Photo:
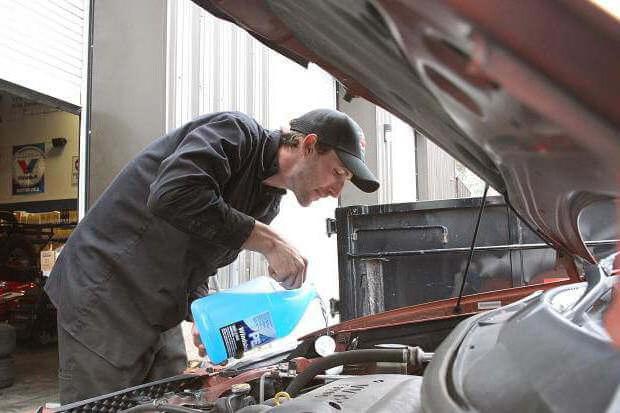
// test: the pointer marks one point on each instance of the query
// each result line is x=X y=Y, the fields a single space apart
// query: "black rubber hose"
x=346 y=357
x=165 y=408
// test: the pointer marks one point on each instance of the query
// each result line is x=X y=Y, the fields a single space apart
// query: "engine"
x=357 y=380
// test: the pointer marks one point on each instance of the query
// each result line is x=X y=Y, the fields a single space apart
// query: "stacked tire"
x=7 y=364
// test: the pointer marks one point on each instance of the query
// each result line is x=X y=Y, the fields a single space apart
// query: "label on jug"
x=248 y=333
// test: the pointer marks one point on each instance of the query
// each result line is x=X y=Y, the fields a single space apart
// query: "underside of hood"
x=523 y=93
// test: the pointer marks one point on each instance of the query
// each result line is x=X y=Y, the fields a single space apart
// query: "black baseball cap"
x=340 y=132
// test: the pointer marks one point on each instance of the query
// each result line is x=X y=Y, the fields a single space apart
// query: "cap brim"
x=362 y=177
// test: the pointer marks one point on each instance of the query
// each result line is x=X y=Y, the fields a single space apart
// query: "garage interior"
x=38 y=198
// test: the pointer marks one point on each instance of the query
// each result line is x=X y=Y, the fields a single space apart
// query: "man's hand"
x=286 y=265
x=197 y=342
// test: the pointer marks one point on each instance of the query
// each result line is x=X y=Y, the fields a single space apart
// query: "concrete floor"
x=36 y=380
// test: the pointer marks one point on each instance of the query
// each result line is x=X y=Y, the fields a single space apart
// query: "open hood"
x=525 y=93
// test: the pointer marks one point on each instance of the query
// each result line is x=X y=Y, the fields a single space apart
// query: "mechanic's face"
x=317 y=175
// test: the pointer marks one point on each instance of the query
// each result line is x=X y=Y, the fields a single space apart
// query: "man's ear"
x=307 y=144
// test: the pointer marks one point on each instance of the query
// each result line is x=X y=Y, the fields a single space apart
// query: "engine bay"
x=355 y=380
x=472 y=359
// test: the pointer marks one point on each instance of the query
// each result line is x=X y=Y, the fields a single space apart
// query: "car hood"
x=522 y=93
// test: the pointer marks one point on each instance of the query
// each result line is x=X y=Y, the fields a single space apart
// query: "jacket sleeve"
x=199 y=292
x=187 y=191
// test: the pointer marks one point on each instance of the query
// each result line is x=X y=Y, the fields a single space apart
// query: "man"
x=180 y=210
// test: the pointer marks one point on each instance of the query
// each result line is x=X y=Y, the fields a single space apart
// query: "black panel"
x=397 y=255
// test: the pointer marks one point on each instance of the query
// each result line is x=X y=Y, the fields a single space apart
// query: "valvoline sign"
x=28 y=169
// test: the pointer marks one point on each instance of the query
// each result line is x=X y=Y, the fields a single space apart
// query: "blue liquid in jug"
x=233 y=321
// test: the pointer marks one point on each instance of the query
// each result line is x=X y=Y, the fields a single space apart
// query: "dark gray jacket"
x=177 y=212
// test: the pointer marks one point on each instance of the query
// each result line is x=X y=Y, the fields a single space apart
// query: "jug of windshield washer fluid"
x=254 y=313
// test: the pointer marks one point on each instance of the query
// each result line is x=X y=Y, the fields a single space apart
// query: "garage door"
x=41 y=46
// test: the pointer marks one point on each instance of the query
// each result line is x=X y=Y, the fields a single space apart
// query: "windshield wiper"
x=457 y=307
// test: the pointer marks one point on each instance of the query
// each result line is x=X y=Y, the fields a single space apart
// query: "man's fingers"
x=289 y=282
x=300 y=279
x=195 y=335
x=197 y=342
x=301 y=275
x=294 y=281
x=303 y=278
x=287 y=267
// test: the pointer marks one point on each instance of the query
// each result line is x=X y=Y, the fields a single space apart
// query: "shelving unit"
x=37 y=233
x=41 y=233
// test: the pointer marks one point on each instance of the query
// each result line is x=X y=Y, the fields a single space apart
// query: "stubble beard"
x=304 y=197
x=301 y=184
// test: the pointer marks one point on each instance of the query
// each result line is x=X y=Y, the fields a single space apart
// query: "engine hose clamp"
x=158 y=402
x=281 y=396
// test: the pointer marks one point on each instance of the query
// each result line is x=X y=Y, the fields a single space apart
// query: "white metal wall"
x=385 y=167
x=397 y=158
x=213 y=66
x=390 y=154
x=437 y=171
x=41 y=46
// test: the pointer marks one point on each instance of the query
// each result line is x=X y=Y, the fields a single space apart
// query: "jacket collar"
x=269 y=161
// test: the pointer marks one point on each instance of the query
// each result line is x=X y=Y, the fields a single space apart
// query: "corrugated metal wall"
x=385 y=167
x=213 y=66
x=462 y=191
x=41 y=46
x=436 y=172
x=390 y=154
x=395 y=159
